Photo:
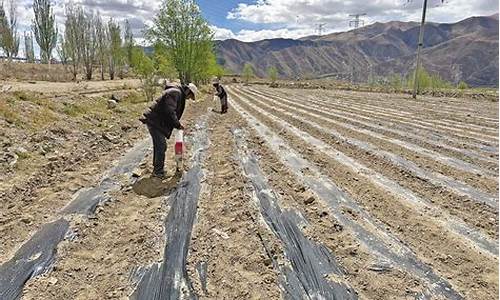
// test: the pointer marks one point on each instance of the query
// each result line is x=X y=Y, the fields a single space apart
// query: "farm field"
x=301 y=194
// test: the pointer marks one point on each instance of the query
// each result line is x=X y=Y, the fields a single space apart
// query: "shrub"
x=427 y=81
x=247 y=73
x=396 y=82
x=462 y=85
x=273 y=74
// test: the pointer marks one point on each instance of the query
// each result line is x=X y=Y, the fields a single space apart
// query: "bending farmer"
x=221 y=93
x=162 y=117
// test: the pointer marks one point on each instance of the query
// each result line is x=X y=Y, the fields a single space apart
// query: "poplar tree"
x=9 y=39
x=186 y=35
x=45 y=29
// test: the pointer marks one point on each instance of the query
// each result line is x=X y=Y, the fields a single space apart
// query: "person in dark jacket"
x=221 y=93
x=162 y=117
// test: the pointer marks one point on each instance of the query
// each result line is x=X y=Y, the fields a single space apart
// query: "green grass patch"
x=73 y=110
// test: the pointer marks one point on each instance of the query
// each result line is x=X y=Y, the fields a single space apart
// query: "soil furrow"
x=309 y=264
x=368 y=273
x=231 y=251
x=440 y=218
x=477 y=214
x=22 y=267
x=100 y=259
x=414 y=117
x=169 y=279
x=431 y=137
x=372 y=110
x=350 y=215
x=428 y=125
x=476 y=179
x=61 y=159
x=426 y=105
x=403 y=102
x=404 y=119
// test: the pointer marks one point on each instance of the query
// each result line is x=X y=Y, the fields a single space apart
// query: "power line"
x=355 y=23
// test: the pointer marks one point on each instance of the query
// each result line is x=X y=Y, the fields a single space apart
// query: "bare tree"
x=89 y=43
x=29 y=50
x=102 y=48
x=61 y=51
x=9 y=39
x=73 y=37
x=115 y=56
x=45 y=29
x=128 y=40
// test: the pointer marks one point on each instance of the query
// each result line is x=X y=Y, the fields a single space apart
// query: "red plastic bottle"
x=179 y=149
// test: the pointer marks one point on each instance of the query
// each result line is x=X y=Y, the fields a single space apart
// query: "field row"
x=286 y=196
x=428 y=204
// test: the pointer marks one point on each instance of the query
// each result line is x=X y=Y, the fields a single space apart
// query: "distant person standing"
x=221 y=93
x=161 y=119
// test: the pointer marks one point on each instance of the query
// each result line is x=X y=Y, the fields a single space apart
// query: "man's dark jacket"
x=221 y=91
x=165 y=113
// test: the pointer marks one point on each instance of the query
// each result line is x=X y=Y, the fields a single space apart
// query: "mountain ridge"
x=463 y=51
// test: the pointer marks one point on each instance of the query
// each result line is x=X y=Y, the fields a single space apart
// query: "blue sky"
x=251 y=20
x=216 y=13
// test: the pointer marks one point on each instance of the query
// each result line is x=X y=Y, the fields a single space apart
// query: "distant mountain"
x=467 y=50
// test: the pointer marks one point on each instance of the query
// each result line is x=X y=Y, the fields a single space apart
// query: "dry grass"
x=73 y=110
x=134 y=98
x=35 y=72
x=9 y=114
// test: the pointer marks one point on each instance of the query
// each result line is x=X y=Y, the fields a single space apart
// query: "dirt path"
x=61 y=88
x=227 y=237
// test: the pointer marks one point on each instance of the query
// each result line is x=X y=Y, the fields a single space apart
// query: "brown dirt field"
x=61 y=137
x=413 y=229
x=479 y=215
x=53 y=148
x=125 y=234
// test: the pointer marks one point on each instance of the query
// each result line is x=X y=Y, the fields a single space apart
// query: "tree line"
x=181 y=38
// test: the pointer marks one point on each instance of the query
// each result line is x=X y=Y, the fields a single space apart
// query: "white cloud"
x=335 y=13
x=222 y=33
x=246 y=35
x=255 y=35
x=287 y=18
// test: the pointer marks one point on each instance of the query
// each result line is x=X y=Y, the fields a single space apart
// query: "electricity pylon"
x=355 y=23
x=320 y=28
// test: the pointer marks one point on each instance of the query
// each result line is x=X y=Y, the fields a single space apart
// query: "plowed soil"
x=415 y=212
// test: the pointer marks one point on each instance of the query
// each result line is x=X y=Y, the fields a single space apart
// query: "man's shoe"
x=160 y=175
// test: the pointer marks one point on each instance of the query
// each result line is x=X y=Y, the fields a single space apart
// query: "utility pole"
x=419 y=48
x=355 y=23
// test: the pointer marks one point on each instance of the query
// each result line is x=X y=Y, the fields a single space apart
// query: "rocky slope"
x=467 y=50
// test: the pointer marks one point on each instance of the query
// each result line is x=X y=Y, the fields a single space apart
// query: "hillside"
x=466 y=50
